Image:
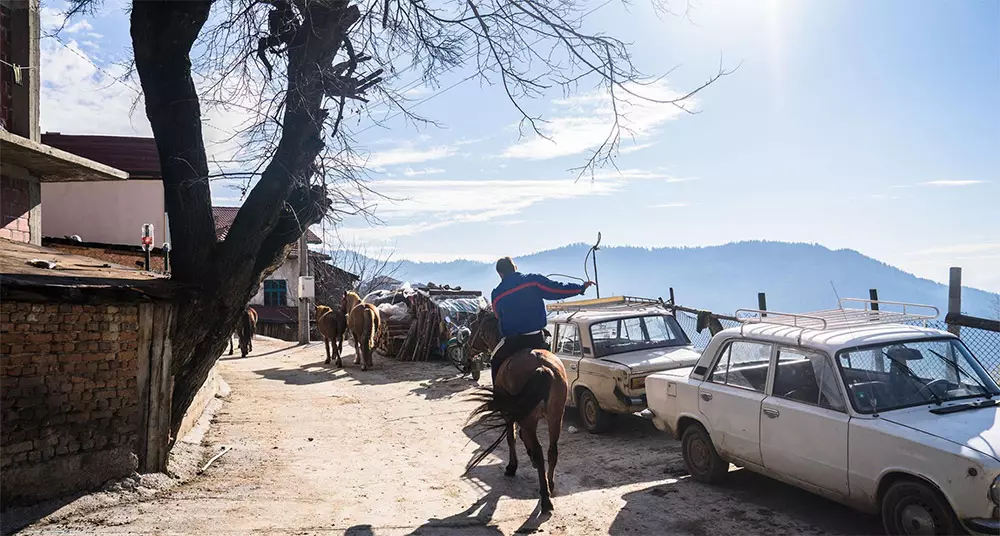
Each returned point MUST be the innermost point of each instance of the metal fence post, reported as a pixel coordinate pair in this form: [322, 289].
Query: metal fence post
[873, 295]
[762, 303]
[955, 297]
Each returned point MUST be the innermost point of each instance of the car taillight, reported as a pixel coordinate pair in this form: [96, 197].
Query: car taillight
[637, 383]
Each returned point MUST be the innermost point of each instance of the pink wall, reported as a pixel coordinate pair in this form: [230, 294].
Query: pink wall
[109, 212]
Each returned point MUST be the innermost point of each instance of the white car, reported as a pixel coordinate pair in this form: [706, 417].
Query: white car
[609, 346]
[850, 404]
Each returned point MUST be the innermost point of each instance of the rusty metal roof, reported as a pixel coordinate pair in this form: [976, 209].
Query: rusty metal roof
[224, 217]
[136, 155]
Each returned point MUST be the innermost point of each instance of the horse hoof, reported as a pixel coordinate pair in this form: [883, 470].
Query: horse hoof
[327, 362]
[546, 505]
[511, 471]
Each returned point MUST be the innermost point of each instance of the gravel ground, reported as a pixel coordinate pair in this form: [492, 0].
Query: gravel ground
[317, 450]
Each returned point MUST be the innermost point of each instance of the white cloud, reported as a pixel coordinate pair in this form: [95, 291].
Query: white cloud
[672, 205]
[426, 205]
[408, 172]
[950, 183]
[78, 26]
[405, 154]
[583, 122]
[944, 183]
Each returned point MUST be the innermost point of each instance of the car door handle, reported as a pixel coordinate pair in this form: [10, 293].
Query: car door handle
[706, 396]
[771, 412]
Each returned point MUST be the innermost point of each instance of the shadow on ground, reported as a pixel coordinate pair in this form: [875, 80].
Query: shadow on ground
[745, 503]
[477, 519]
[16, 518]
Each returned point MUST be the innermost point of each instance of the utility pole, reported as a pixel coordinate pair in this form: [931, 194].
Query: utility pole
[303, 302]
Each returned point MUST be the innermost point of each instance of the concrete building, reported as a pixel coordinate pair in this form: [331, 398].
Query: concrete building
[26, 164]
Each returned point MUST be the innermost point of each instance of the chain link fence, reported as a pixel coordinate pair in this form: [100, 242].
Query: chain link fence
[689, 323]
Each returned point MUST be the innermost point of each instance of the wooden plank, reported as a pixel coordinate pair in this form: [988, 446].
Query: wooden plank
[160, 383]
[142, 381]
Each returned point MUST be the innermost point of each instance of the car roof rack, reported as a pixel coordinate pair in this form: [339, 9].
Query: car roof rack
[604, 304]
[872, 313]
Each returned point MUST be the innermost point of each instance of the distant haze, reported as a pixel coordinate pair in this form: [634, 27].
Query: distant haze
[795, 277]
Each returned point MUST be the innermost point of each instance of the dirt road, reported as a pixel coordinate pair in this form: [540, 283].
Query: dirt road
[319, 451]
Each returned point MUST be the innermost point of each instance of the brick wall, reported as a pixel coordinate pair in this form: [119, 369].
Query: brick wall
[68, 397]
[15, 203]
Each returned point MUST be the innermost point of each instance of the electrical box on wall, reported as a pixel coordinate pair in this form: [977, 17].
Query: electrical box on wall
[307, 287]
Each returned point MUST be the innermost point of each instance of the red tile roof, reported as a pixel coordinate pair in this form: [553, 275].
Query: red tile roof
[137, 156]
[224, 217]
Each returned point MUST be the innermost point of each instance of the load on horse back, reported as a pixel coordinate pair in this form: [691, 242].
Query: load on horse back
[245, 331]
[363, 324]
[531, 385]
[332, 325]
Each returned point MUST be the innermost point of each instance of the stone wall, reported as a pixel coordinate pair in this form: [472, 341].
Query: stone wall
[68, 397]
[15, 205]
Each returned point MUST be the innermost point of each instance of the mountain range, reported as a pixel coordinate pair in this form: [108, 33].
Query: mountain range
[795, 277]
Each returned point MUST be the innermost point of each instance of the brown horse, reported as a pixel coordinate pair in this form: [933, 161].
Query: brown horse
[332, 325]
[363, 323]
[531, 385]
[245, 331]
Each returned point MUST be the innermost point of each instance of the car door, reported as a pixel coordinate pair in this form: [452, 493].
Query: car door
[567, 349]
[804, 421]
[731, 398]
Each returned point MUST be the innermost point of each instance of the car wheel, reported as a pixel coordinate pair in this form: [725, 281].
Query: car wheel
[595, 419]
[911, 507]
[700, 456]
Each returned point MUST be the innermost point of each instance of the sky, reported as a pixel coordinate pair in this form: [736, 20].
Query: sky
[873, 126]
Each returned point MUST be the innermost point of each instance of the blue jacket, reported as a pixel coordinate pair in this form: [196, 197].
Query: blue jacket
[519, 301]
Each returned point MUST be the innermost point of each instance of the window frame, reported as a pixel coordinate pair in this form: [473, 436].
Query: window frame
[870, 411]
[685, 340]
[558, 337]
[807, 352]
[281, 291]
[768, 381]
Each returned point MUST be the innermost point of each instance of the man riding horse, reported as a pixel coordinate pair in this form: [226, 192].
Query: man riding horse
[519, 304]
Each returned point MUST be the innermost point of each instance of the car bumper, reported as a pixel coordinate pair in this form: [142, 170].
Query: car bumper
[981, 525]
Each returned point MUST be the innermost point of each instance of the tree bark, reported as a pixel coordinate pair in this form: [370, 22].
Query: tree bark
[278, 210]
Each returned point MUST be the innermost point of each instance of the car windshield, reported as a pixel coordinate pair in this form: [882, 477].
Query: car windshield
[636, 333]
[903, 374]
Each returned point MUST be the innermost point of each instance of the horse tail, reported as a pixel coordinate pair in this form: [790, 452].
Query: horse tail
[497, 409]
[371, 324]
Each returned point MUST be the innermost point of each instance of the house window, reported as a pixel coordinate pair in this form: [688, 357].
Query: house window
[275, 292]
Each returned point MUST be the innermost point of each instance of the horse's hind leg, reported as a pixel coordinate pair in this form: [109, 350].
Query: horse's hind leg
[230, 344]
[326, 346]
[338, 346]
[512, 445]
[530, 435]
[554, 424]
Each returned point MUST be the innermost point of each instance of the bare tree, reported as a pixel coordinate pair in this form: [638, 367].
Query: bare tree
[298, 69]
[370, 265]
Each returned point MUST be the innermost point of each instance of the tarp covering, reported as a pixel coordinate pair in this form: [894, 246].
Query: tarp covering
[461, 307]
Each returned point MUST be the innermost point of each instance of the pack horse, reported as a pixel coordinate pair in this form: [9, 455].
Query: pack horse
[363, 324]
[245, 331]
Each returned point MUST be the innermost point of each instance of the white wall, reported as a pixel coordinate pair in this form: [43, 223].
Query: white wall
[110, 212]
[289, 271]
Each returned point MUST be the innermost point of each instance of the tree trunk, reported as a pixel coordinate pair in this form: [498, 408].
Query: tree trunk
[224, 276]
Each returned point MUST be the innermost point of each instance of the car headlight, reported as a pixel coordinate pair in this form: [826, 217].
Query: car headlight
[995, 491]
[637, 383]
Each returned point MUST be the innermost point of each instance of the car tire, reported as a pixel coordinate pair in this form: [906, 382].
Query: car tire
[594, 419]
[700, 457]
[912, 507]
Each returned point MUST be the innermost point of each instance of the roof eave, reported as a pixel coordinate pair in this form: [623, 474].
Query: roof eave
[48, 164]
